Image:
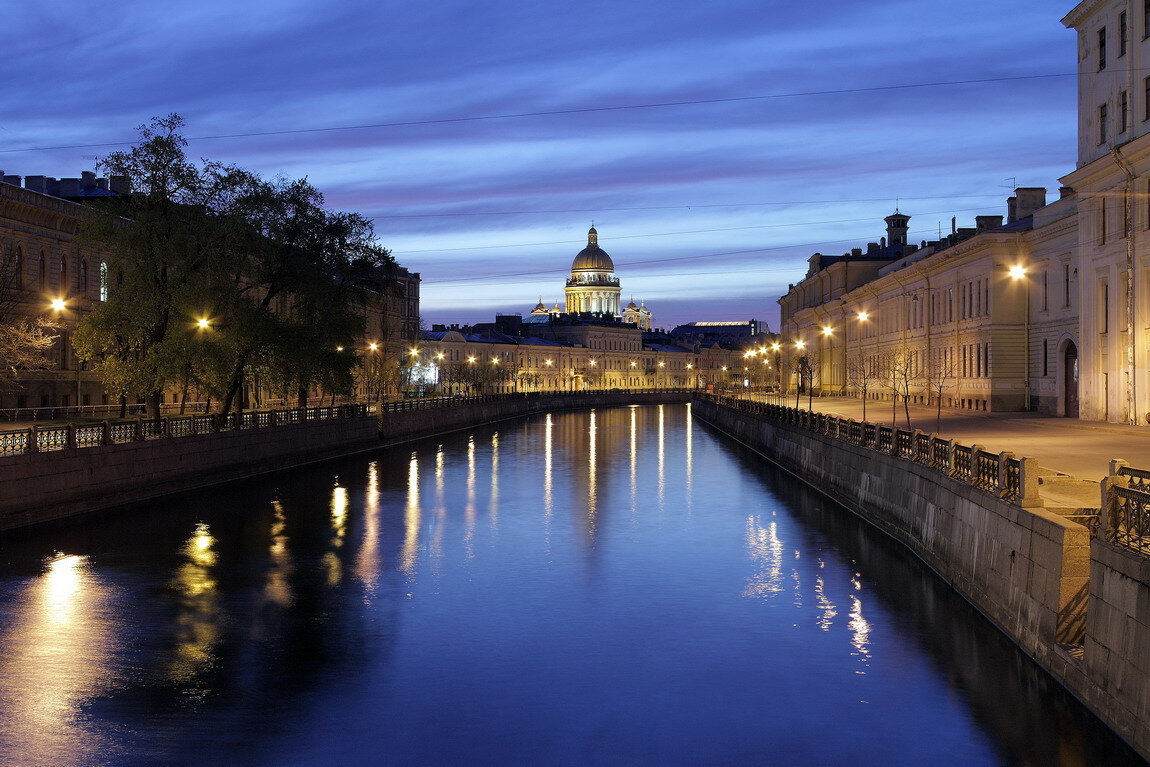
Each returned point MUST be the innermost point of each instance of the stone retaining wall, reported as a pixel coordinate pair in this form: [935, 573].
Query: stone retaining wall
[38, 487]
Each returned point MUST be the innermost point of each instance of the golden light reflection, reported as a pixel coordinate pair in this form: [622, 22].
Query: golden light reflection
[662, 487]
[368, 560]
[827, 608]
[766, 551]
[55, 656]
[548, 448]
[690, 468]
[634, 462]
[860, 630]
[436, 542]
[411, 520]
[277, 585]
[493, 501]
[197, 623]
[469, 507]
[338, 517]
[592, 490]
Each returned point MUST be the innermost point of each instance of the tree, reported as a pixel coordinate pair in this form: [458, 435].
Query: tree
[940, 375]
[167, 241]
[860, 375]
[901, 374]
[25, 340]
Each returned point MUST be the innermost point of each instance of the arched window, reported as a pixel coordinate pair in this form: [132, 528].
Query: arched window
[42, 271]
[103, 281]
[83, 276]
[18, 276]
[62, 285]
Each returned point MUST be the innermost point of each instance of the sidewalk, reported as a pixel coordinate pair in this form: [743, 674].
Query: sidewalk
[1065, 445]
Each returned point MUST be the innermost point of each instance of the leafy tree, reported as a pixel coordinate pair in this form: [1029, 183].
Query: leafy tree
[168, 241]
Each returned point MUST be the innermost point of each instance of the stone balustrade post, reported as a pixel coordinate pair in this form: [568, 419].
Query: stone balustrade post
[1029, 498]
[303, 415]
[70, 437]
[1004, 459]
[138, 430]
[950, 457]
[272, 417]
[106, 433]
[916, 453]
[165, 427]
[1106, 505]
[1116, 464]
[974, 451]
[33, 439]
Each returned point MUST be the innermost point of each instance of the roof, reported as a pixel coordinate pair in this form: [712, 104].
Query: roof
[592, 258]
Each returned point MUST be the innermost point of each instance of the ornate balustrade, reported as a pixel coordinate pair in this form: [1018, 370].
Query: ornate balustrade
[38, 439]
[1126, 507]
[1000, 474]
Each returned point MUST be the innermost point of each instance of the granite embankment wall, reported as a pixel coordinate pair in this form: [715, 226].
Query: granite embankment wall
[1080, 608]
[37, 487]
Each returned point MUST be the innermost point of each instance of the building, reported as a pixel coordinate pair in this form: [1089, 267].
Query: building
[593, 289]
[983, 319]
[52, 276]
[1111, 275]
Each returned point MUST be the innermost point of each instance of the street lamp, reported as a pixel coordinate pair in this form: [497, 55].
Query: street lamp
[1018, 272]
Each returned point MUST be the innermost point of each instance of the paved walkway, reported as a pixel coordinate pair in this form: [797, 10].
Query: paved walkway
[1070, 446]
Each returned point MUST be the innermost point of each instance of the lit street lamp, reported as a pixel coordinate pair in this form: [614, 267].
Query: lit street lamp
[1018, 272]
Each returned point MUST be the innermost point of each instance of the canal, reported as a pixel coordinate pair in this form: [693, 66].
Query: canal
[620, 587]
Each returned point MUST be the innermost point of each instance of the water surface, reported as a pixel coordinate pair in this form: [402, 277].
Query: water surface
[617, 587]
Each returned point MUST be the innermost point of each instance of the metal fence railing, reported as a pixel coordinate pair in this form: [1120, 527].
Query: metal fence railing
[1000, 474]
[1126, 507]
[44, 438]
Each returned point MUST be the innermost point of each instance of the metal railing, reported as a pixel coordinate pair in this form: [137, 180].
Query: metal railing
[1000, 474]
[40, 439]
[1126, 507]
[43, 439]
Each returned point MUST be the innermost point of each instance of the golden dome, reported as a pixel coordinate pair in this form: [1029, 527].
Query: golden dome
[592, 258]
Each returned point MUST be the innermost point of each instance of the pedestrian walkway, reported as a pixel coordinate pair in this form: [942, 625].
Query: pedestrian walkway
[1065, 445]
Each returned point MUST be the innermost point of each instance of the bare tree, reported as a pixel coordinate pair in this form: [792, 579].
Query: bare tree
[902, 374]
[860, 375]
[940, 376]
[25, 339]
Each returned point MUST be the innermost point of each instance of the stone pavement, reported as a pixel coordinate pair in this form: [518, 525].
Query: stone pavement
[1069, 446]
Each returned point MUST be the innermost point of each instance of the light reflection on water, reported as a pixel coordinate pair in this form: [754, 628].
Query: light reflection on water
[613, 587]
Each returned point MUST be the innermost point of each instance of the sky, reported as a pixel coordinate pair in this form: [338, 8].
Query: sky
[715, 146]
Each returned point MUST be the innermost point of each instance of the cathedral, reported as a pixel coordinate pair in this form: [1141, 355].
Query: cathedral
[594, 288]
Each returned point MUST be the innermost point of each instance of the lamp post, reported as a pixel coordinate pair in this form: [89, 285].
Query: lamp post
[1018, 272]
[862, 317]
[829, 340]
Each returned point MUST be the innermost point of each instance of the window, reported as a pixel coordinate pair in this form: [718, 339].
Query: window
[1103, 306]
[1102, 49]
[62, 285]
[1045, 358]
[42, 271]
[1122, 34]
[1123, 112]
[19, 267]
[1146, 101]
[1145, 19]
[1045, 292]
[1103, 118]
[1066, 279]
[1101, 221]
[103, 281]
[83, 276]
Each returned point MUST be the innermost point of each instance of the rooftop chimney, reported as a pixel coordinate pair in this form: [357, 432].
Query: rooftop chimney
[1011, 209]
[119, 184]
[986, 223]
[1065, 191]
[1030, 199]
[87, 179]
[69, 187]
[13, 180]
[35, 183]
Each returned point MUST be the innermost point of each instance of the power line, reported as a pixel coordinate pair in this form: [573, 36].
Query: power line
[486, 278]
[669, 234]
[682, 207]
[571, 111]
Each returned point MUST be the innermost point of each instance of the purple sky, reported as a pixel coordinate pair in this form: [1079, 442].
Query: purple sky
[708, 210]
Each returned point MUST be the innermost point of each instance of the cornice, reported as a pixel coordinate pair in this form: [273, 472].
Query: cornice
[1080, 12]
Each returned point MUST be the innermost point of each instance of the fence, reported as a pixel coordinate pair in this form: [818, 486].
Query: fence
[1126, 507]
[39, 439]
[1000, 474]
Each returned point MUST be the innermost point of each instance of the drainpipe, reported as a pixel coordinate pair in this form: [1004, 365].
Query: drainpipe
[1128, 230]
